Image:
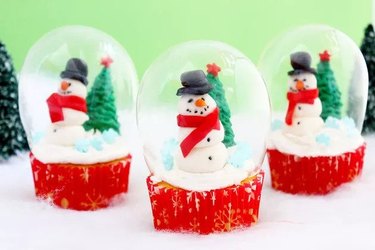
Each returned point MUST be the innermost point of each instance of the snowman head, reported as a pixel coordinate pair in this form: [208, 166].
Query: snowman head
[198, 105]
[72, 87]
[302, 81]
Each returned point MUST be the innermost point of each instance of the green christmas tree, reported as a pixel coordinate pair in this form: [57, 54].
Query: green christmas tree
[368, 51]
[329, 92]
[218, 94]
[101, 102]
[12, 134]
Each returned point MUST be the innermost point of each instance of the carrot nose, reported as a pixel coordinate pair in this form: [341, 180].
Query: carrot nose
[200, 103]
[64, 85]
[300, 85]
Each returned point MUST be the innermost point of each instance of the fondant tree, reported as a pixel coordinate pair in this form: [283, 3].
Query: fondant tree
[218, 94]
[101, 102]
[368, 51]
[12, 134]
[329, 92]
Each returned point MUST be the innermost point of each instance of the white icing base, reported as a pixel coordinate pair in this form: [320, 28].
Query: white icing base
[306, 145]
[225, 177]
[51, 153]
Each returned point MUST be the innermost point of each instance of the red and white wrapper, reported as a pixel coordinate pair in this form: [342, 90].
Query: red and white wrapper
[219, 210]
[313, 175]
[80, 187]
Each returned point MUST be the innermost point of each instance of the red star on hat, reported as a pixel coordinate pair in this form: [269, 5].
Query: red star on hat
[106, 61]
[213, 69]
[325, 56]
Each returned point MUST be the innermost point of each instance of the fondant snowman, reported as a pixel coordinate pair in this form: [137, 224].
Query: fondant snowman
[200, 130]
[305, 107]
[67, 107]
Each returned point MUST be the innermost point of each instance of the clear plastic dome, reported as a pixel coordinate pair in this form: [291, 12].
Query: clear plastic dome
[330, 50]
[157, 102]
[48, 57]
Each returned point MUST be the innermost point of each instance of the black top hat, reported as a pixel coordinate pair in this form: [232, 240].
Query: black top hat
[301, 63]
[194, 83]
[75, 69]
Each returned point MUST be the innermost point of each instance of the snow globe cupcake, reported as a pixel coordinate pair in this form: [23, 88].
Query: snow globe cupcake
[76, 90]
[196, 105]
[316, 143]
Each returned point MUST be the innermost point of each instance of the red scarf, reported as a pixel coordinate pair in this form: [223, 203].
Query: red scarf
[203, 125]
[304, 96]
[57, 102]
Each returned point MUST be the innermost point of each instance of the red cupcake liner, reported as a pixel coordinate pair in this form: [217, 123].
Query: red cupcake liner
[219, 210]
[313, 175]
[80, 187]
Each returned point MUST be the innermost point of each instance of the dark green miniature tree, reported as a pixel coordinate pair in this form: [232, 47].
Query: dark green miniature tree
[368, 51]
[101, 102]
[329, 92]
[218, 94]
[12, 134]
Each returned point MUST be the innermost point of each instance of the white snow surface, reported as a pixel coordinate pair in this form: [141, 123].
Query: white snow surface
[344, 219]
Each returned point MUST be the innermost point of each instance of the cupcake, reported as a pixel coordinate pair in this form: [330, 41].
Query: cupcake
[314, 150]
[81, 161]
[204, 176]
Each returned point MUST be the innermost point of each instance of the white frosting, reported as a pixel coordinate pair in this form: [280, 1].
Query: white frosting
[340, 142]
[52, 153]
[225, 177]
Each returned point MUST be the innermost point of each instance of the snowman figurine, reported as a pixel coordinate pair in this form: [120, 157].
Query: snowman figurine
[200, 130]
[304, 107]
[67, 107]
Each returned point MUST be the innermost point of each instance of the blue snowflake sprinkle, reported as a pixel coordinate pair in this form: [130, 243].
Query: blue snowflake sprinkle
[277, 124]
[109, 136]
[323, 139]
[97, 143]
[350, 127]
[348, 123]
[242, 153]
[82, 145]
[168, 152]
[332, 122]
[37, 137]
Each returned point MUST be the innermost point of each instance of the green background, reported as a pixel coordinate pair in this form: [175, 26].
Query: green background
[147, 28]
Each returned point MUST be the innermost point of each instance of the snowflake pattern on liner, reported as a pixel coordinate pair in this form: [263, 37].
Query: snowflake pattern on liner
[219, 210]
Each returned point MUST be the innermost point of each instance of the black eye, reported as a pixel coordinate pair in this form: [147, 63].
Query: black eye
[69, 84]
[190, 100]
[203, 99]
[295, 79]
[304, 79]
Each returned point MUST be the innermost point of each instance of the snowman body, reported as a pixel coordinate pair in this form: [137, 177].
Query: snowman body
[308, 110]
[210, 154]
[72, 117]
[306, 116]
[67, 131]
